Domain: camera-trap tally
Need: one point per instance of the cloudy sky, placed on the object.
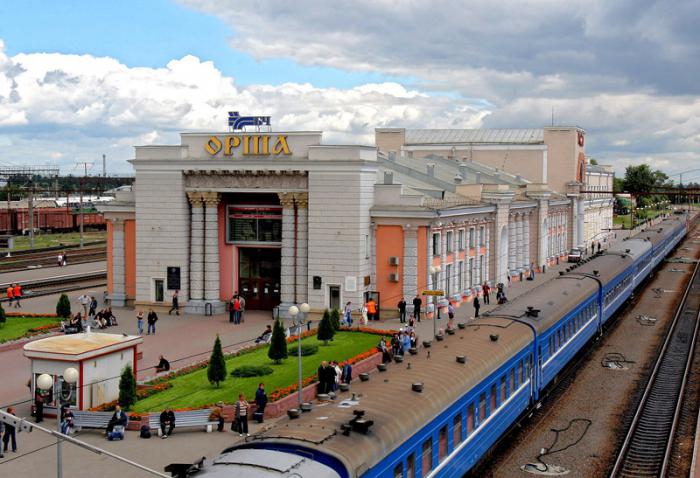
(83, 78)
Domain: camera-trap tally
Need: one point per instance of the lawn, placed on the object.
(58, 239)
(17, 327)
(193, 390)
(640, 215)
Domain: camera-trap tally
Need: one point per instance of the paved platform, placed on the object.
(51, 272)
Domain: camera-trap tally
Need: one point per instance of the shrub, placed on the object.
(63, 306)
(325, 328)
(216, 372)
(252, 371)
(308, 349)
(278, 343)
(127, 388)
(335, 319)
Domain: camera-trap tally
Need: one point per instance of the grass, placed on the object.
(17, 327)
(194, 390)
(624, 220)
(58, 239)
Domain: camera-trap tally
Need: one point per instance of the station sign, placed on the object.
(434, 292)
(248, 145)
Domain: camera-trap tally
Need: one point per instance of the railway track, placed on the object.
(646, 449)
(43, 258)
(62, 283)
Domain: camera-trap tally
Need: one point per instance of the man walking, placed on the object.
(260, 402)
(9, 435)
(175, 302)
(417, 302)
(84, 300)
(17, 292)
(402, 310)
(487, 291)
(477, 306)
(10, 295)
(152, 318)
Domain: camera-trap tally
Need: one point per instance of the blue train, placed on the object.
(435, 416)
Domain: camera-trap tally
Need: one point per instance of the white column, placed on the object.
(211, 252)
(196, 247)
(410, 264)
(487, 242)
(442, 283)
(118, 296)
(520, 248)
(287, 277)
(512, 235)
(302, 202)
(526, 240)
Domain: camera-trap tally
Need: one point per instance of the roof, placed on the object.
(476, 136)
(79, 346)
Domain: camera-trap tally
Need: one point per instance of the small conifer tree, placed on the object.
(127, 388)
(2, 316)
(63, 306)
(335, 319)
(216, 372)
(325, 328)
(278, 343)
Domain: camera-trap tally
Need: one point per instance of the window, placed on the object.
(448, 279)
(427, 456)
(521, 370)
(254, 224)
(411, 466)
(513, 383)
(457, 435)
(492, 399)
(460, 239)
(482, 236)
(442, 443)
(504, 390)
(471, 238)
(470, 418)
(398, 470)
(460, 276)
(448, 241)
(436, 243)
(482, 407)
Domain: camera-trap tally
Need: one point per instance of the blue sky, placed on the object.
(150, 33)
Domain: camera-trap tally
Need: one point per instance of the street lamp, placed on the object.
(435, 270)
(294, 313)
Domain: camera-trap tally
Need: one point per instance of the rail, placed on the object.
(647, 445)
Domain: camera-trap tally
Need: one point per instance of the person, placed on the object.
(593, 247)
(93, 306)
(163, 364)
(322, 374)
(101, 320)
(119, 419)
(260, 401)
(84, 301)
(450, 311)
(396, 345)
(242, 415)
(346, 375)
(337, 373)
(406, 343)
(348, 313)
(64, 259)
(175, 303)
(241, 309)
(486, 289)
(77, 323)
(363, 315)
(414, 339)
(151, 319)
(371, 309)
(17, 292)
(139, 322)
(217, 415)
(417, 302)
(59, 259)
(477, 306)
(67, 420)
(10, 295)
(386, 356)
(236, 310)
(231, 310)
(402, 310)
(9, 435)
(598, 246)
(167, 420)
(111, 318)
(38, 406)
(532, 271)
(265, 336)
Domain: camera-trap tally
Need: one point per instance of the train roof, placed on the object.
(397, 411)
(252, 463)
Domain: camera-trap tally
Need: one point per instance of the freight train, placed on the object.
(440, 412)
(50, 219)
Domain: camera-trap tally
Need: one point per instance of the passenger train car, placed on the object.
(512, 355)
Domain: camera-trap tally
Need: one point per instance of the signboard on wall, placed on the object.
(173, 278)
(350, 284)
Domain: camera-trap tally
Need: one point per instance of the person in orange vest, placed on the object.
(10, 295)
(17, 292)
(371, 309)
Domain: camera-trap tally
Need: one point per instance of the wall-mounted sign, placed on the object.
(173, 278)
(238, 123)
(248, 145)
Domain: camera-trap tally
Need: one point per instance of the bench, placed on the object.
(190, 418)
(95, 420)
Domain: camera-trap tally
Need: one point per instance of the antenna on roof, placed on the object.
(552, 115)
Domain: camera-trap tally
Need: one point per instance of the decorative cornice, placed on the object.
(195, 198)
(211, 198)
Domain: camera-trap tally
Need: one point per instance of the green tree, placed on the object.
(2, 316)
(618, 185)
(641, 179)
(325, 328)
(127, 388)
(593, 162)
(278, 343)
(216, 372)
(335, 319)
(63, 306)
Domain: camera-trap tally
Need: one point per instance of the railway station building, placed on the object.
(282, 218)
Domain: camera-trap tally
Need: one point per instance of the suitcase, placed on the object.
(115, 436)
(258, 417)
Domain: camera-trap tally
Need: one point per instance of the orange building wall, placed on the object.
(389, 242)
(422, 259)
(110, 279)
(130, 258)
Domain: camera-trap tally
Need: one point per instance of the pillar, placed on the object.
(302, 276)
(212, 277)
(487, 245)
(410, 264)
(118, 295)
(526, 240)
(287, 276)
(442, 283)
(196, 247)
(519, 239)
(512, 233)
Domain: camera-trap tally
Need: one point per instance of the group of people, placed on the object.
(102, 319)
(14, 295)
(399, 344)
(151, 319)
(236, 308)
(62, 259)
(331, 375)
(8, 434)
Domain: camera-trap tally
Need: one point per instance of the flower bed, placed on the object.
(23, 325)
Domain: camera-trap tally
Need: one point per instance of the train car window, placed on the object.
(427, 456)
(493, 397)
(442, 443)
(513, 383)
(482, 407)
(457, 434)
(470, 419)
(521, 375)
(398, 470)
(411, 466)
(504, 390)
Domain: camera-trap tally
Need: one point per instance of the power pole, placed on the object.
(30, 211)
(82, 210)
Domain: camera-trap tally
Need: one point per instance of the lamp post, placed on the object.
(294, 312)
(435, 270)
(45, 382)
